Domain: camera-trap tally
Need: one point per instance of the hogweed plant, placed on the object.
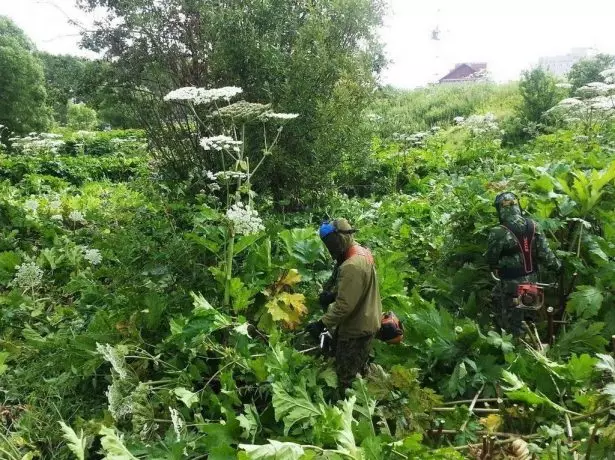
(592, 107)
(211, 110)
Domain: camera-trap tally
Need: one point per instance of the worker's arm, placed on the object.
(495, 244)
(544, 253)
(350, 288)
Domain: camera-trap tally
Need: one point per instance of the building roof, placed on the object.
(466, 71)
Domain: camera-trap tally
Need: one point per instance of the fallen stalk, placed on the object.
(477, 410)
(498, 443)
(472, 407)
(467, 401)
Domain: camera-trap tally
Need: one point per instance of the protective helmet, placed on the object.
(505, 199)
(336, 226)
(391, 329)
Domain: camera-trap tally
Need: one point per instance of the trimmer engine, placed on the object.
(529, 297)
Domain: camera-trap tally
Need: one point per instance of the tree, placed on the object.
(81, 117)
(64, 79)
(22, 83)
(539, 93)
(317, 58)
(588, 70)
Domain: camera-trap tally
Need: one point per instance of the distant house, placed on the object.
(561, 65)
(466, 72)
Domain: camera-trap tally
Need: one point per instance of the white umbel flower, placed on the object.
(178, 422)
(31, 205)
(115, 357)
(77, 216)
(219, 143)
(279, 116)
(608, 75)
(245, 219)
(199, 96)
(28, 276)
(229, 175)
(93, 256)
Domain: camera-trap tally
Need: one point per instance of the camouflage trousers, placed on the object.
(351, 356)
(506, 316)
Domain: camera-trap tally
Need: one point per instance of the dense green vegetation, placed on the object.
(150, 314)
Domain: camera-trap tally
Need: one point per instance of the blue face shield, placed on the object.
(326, 229)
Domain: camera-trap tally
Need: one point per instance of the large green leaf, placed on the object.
(295, 408)
(585, 302)
(113, 446)
(76, 444)
(275, 450)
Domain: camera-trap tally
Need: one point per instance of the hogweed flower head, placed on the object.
(178, 422)
(93, 256)
(31, 205)
(230, 175)
(245, 219)
(219, 143)
(199, 96)
(77, 216)
(278, 116)
(28, 276)
(115, 356)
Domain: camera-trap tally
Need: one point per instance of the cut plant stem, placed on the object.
(468, 401)
(228, 275)
(477, 410)
(463, 427)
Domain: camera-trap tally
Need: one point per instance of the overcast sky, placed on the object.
(509, 35)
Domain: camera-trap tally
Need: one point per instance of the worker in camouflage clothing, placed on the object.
(352, 302)
(516, 250)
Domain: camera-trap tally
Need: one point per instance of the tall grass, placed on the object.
(407, 111)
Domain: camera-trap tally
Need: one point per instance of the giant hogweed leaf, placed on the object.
(345, 438)
(585, 302)
(582, 337)
(581, 368)
(606, 363)
(76, 444)
(113, 446)
(186, 396)
(296, 408)
(275, 450)
(303, 246)
(519, 391)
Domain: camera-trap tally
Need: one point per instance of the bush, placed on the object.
(81, 117)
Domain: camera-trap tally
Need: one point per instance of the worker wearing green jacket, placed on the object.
(356, 308)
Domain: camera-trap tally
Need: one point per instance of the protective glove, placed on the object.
(315, 329)
(326, 298)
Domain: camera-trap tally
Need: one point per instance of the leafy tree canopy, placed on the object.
(588, 70)
(22, 84)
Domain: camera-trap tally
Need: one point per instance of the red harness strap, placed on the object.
(357, 250)
(524, 241)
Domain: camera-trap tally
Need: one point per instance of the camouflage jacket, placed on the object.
(503, 250)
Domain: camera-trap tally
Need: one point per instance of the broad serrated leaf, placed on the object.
(187, 397)
(606, 363)
(76, 444)
(294, 409)
(275, 450)
(582, 337)
(287, 308)
(113, 446)
(581, 368)
(585, 302)
(345, 438)
(249, 421)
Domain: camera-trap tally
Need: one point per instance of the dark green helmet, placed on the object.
(507, 206)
